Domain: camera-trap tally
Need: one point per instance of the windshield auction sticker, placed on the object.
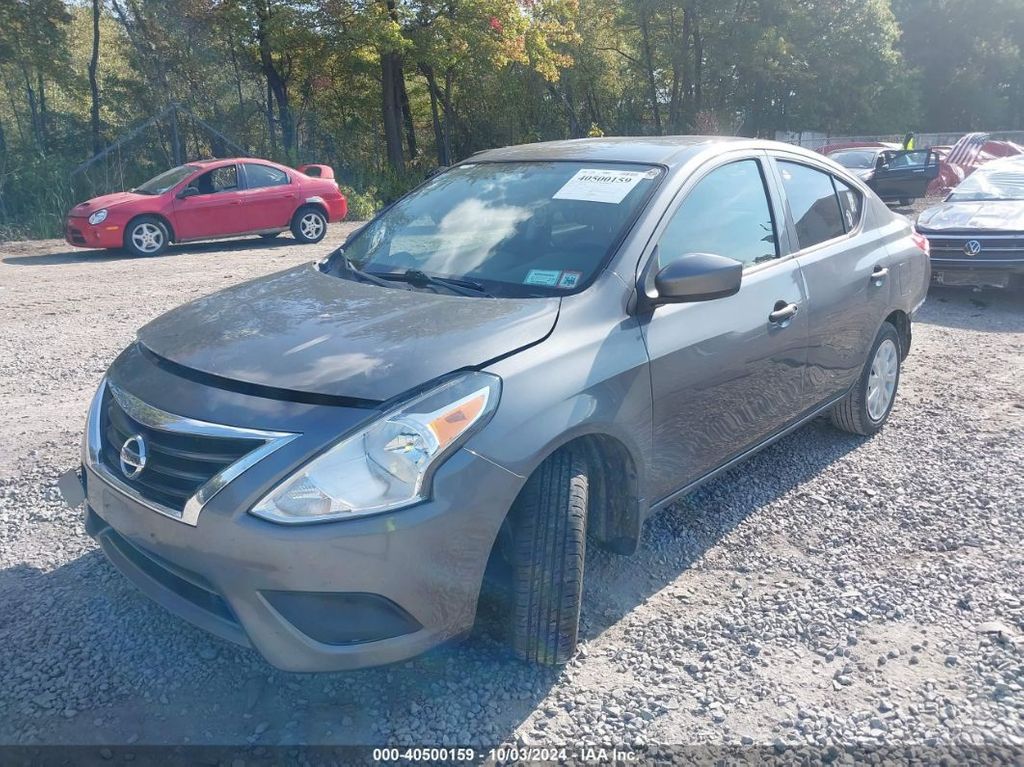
(596, 185)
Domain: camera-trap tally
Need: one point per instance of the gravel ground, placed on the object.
(832, 591)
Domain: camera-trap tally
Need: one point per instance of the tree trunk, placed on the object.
(441, 146)
(94, 88)
(391, 104)
(30, 96)
(271, 130)
(698, 61)
(645, 42)
(44, 118)
(410, 128)
(276, 83)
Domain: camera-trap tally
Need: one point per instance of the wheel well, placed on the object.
(901, 321)
(614, 519)
(318, 205)
(157, 216)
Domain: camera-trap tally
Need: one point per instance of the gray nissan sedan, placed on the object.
(541, 345)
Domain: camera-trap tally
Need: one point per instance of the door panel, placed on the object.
(848, 304)
(215, 211)
(270, 198)
(844, 272)
(723, 377)
(905, 174)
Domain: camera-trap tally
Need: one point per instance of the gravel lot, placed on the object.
(832, 591)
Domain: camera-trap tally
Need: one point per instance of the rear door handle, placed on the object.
(783, 313)
(879, 274)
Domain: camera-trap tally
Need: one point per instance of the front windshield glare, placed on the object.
(518, 229)
(991, 185)
(166, 180)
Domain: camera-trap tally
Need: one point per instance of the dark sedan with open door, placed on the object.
(977, 233)
(895, 175)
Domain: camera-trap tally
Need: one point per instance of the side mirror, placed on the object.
(188, 191)
(697, 277)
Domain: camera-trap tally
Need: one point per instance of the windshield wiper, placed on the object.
(347, 266)
(420, 279)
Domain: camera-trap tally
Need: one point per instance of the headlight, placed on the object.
(388, 464)
(98, 217)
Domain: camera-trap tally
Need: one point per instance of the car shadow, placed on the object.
(81, 256)
(85, 641)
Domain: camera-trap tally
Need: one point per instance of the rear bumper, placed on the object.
(337, 209)
(973, 271)
(81, 234)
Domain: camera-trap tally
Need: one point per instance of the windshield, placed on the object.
(166, 180)
(994, 184)
(854, 158)
(516, 229)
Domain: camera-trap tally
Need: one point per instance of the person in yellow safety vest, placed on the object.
(908, 141)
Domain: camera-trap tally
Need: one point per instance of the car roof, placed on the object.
(1013, 162)
(658, 150)
(217, 161)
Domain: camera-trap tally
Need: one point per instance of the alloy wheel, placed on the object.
(147, 237)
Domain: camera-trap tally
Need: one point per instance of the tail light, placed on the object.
(921, 242)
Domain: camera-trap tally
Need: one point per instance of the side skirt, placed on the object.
(686, 489)
(275, 230)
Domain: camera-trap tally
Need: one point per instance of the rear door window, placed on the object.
(258, 176)
(813, 203)
(850, 202)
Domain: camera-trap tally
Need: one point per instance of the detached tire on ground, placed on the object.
(309, 224)
(867, 406)
(146, 236)
(549, 527)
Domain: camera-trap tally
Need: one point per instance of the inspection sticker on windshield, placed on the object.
(597, 185)
(546, 277)
(569, 279)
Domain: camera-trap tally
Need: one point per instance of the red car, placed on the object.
(209, 200)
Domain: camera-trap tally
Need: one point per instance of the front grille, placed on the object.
(1006, 247)
(75, 235)
(177, 464)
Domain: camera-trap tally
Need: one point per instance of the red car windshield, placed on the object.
(166, 180)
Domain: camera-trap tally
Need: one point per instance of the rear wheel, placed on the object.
(146, 236)
(867, 406)
(309, 224)
(549, 528)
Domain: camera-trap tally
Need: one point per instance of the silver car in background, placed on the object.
(977, 233)
(541, 345)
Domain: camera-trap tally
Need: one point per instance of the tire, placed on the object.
(269, 235)
(858, 412)
(146, 236)
(309, 224)
(549, 527)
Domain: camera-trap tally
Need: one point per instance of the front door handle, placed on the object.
(878, 275)
(783, 313)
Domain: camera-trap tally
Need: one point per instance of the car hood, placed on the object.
(106, 201)
(306, 331)
(996, 215)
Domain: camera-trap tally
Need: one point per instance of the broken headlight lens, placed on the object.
(388, 464)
